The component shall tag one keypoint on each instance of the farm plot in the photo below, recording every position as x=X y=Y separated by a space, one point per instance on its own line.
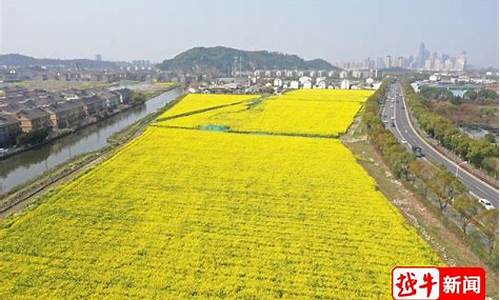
x=302 y=113
x=187 y=213
x=198 y=102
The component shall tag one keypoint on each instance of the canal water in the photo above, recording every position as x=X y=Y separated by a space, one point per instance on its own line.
x=28 y=165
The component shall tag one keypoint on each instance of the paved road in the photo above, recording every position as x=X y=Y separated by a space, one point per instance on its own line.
x=395 y=111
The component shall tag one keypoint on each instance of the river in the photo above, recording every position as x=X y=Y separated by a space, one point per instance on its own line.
x=28 y=165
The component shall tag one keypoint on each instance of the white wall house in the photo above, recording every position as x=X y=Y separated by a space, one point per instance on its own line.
x=307 y=85
x=304 y=79
x=345 y=84
x=321 y=84
x=294 y=84
x=277 y=82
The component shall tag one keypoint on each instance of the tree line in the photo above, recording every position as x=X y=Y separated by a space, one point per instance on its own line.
x=444 y=94
x=481 y=153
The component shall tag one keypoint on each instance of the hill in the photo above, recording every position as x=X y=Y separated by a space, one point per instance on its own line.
x=19 y=60
x=222 y=60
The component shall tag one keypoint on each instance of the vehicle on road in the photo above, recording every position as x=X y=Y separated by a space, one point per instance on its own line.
x=403 y=141
x=417 y=151
x=486 y=204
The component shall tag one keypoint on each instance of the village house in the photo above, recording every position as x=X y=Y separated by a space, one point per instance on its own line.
x=9 y=129
x=321 y=84
x=294 y=84
x=33 y=119
x=65 y=114
x=125 y=95
x=278 y=82
x=112 y=100
x=93 y=105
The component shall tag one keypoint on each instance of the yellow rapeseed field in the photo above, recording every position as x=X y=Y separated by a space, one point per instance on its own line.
x=196 y=102
x=329 y=95
x=306 y=112
x=182 y=213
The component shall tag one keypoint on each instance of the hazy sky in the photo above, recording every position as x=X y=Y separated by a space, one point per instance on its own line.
x=334 y=30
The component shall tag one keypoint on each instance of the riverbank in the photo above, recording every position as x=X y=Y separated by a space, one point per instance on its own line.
x=19 y=150
x=27 y=194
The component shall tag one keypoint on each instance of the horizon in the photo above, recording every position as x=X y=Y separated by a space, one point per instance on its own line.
x=126 y=31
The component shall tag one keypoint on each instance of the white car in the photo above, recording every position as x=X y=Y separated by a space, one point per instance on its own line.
x=487 y=204
x=403 y=141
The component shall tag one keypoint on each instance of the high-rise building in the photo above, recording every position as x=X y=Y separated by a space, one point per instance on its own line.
x=388 y=61
x=379 y=63
x=98 y=57
x=400 y=62
x=461 y=62
x=422 y=56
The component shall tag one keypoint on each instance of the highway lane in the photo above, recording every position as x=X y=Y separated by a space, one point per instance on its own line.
x=395 y=111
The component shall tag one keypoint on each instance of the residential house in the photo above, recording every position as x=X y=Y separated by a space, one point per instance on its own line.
x=345 y=84
x=125 y=95
x=66 y=114
x=33 y=119
x=307 y=85
x=9 y=129
x=321 y=84
x=278 y=82
x=294 y=84
x=112 y=100
x=93 y=105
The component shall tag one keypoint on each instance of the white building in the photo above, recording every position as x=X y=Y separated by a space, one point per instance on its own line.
x=434 y=77
x=319 y=79
x=356 y=74
x=307 y=85
x=278 y=82
x=343 y=74
x=321 y=84
x=369 y=80
x=294 y=84
x=345 y=84
x=304 y=79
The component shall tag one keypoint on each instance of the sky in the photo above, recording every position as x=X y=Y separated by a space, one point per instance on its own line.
x=336 y=30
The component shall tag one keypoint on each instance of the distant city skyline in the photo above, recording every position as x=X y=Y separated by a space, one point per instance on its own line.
x=422 y=59
x=333 y=30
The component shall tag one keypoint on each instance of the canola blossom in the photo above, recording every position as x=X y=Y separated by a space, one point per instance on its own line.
x=187 y=213
x=301 y=112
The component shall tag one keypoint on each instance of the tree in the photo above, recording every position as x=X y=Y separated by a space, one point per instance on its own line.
x=468 y=208
x=489 y=223
x=139 y=98
x=446 y=187
x=33 y=137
